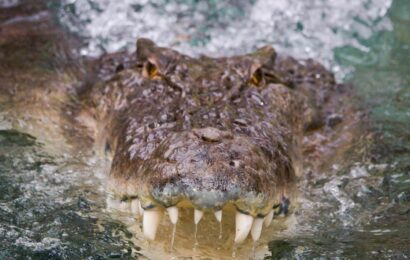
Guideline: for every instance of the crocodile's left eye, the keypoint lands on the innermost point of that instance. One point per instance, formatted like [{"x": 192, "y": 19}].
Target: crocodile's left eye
[
  {"x": 257, "y": 77},
  {"x": 150, "y": 70}
]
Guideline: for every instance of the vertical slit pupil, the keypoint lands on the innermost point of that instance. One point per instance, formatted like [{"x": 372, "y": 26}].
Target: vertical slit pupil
[
  {"x": 257, "y": 77},
  {"x": 151, "y": 69}
]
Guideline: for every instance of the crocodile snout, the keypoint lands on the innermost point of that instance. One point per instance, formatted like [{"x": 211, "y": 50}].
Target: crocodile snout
[{"x": 208, "y": 168}]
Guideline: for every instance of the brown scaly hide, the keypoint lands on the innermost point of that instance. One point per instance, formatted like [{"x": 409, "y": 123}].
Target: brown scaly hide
[{"x": 203, "y": 125}]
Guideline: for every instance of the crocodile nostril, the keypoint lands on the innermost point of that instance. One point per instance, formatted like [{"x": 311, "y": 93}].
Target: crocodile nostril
[{"x": 234, "y": 163}]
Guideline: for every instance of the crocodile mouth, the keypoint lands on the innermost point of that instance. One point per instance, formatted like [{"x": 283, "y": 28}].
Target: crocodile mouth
[
  {"x": 206, "y": 169},
  {"x": 245, "y": 224}
]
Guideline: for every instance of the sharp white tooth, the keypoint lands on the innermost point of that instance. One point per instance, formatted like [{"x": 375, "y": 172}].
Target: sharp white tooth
[
  {"x": 135, "y": 209},
  {"x": 268, "y": 218},
  {"x": 243, "y": 224},
  {"x": 198, "y": 215},
  {"x": 218, "y": 215},
  {"x": 141, "y": 210},
  {"x": 173, "y": 214},
  {"x": 257, "y": 228},
  {"x": 150, "y": 222}
]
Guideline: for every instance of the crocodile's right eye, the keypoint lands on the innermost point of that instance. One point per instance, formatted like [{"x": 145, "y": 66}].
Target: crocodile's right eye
[{"x": 256, "y": 77}]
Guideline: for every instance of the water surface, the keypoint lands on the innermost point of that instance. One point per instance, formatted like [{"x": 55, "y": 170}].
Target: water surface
[{"x": 52, "y": 202}]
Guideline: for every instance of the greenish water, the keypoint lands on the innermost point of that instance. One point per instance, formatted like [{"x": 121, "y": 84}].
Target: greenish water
[
  {"x": 381, "y": 75},
  {"x": 51, "y": 207}
]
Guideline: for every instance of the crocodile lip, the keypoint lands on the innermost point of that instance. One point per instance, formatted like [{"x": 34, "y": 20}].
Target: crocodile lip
[{"x": 208, "y": 168}]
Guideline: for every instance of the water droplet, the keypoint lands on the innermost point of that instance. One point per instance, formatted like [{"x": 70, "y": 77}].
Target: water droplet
[
  {"x": 234, "y": 249},
  {"x": 220, "y": 230},
  {"x": 174, "y": 230},
  {"x": 195, "y": 237}
]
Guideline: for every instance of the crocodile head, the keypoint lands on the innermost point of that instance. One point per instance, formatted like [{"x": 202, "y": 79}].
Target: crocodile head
[{"x": 207, "y": 131}]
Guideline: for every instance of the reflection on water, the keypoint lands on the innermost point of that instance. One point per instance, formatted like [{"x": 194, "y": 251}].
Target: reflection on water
[{"x": 52, "y": 204}]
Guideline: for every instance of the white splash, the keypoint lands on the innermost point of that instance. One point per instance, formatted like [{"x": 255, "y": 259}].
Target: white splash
[{"x": 306, "y": 29}]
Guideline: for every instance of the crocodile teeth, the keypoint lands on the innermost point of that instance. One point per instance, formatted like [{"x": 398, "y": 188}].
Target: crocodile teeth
[
  {"x": 243, "y": 224},
  {"x": 257, "y": 228},
  {"x": 173, "y": 214},
  {"x": 218, "y": 215},
  {"x": 141, "y": 210},
  {"x": 268, "y": 219},
  {"x": 198, "y": 216},
  {"x": 150, "y": 222},
  {"x": 135, "y": 208}
]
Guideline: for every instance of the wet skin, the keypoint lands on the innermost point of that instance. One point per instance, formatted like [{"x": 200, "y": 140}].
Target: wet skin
[
  {"x": 202, "y": 131},
  {"x": 212, "y": 131}
]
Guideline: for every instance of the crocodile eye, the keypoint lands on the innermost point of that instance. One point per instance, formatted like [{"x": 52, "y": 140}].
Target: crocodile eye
[
  {"x": 150, "y": 70},
  {"x": 257, "y": 77}
]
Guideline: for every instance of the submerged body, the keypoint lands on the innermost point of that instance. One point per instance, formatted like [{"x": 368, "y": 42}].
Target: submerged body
[{"x": 212, "y": 131}]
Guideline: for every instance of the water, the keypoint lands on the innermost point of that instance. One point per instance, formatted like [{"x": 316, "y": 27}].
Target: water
[
  {"x": 299, "y": 28},
  {"x": 52, "y": 202}
]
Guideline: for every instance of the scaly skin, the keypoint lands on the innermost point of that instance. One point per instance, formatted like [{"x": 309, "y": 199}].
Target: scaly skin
[
  {"x": 208, "y": 130},
  {"x": 199, "y": 130}
]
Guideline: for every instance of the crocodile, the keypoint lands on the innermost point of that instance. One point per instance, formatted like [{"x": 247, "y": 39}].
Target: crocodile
[{"x": 209, "y": 132}]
